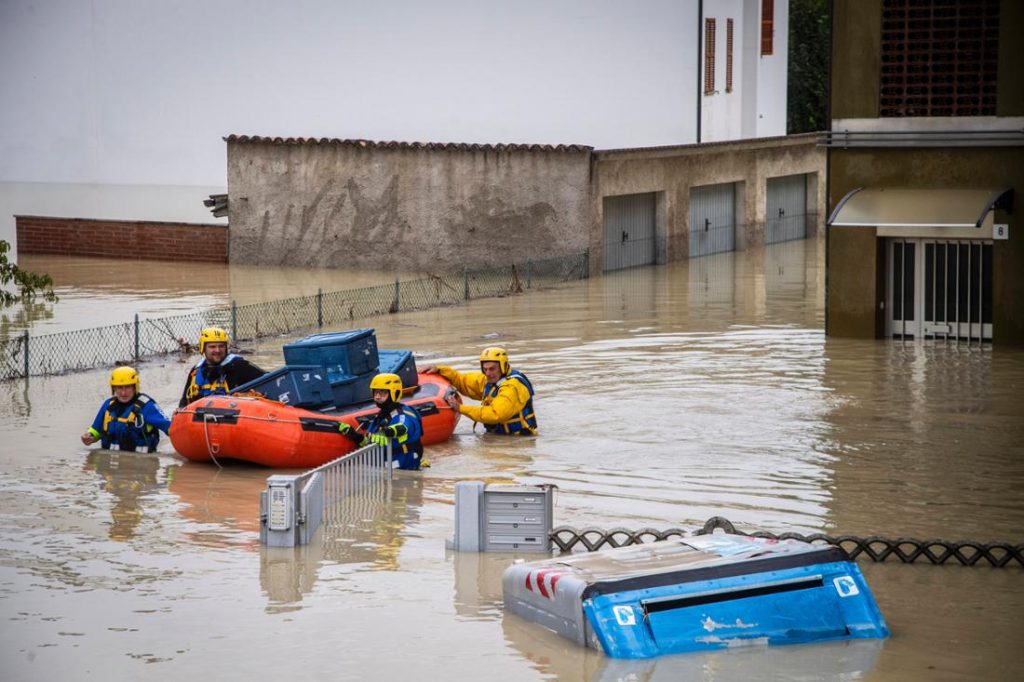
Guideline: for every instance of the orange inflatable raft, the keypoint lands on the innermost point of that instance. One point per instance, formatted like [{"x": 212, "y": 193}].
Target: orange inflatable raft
[{"x": 254, "y": 429}]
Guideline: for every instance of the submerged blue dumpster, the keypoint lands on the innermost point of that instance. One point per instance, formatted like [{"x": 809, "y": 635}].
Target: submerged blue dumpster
[{"x": 696, "y": 594}]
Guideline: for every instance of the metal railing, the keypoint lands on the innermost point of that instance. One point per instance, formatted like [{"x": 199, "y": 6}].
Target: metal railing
[
  {"x": 294, "y": 506},
  {"x": 24, "y": 355}
]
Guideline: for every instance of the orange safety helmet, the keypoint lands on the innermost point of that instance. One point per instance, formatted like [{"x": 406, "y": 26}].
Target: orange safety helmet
[{"x": 498, "y": 355}]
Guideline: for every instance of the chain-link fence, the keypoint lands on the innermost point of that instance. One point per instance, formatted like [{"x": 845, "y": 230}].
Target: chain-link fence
[{"x": 26, "y": 355}]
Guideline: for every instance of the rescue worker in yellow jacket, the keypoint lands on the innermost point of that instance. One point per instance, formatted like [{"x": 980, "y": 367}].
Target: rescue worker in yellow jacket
[{"x": 505, "y": 394}]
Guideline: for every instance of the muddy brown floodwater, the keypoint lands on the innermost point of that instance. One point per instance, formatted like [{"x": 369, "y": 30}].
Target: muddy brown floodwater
[{"x": 666, "y": 395}]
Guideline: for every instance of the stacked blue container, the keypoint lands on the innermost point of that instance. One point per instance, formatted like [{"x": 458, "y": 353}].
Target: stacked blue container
[
  {"x": 349, "y": 358},
  {"x": 332, "y": 369}
]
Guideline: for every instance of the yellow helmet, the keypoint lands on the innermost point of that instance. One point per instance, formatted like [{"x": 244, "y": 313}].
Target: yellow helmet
[
  {"x": 211, "y": 335},
  {"x": 124, "y": 376},
  {"x": 392, "y": 383},
  {"x": 498, "y": 355}
]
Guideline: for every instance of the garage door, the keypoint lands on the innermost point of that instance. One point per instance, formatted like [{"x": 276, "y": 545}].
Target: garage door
[
  {"x": 712, "y": 219},
  {"x": 786, "y": 215},
  {"x": 629, "y": 231}
]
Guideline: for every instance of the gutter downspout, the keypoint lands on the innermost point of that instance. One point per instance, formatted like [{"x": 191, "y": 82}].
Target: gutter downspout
[{"x": 700, "y": 70}]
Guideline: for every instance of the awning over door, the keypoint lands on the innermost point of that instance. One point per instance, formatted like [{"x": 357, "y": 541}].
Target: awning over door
[{"x": 885, "y": 207}]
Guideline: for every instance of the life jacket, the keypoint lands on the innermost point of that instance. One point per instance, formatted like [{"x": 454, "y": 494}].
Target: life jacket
[
  {"x": 526, "y": 420},
  {"x": 403, "y": 444},
  {"x": 125, "y": 426},
  {"x": 200, "y": 385}
]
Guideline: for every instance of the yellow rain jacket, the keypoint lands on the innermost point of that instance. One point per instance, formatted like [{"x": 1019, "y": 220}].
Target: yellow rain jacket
[{"x": 505, "y": 407}]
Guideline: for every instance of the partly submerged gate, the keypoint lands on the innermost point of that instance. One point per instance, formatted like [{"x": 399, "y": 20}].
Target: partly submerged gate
[
  {"x": 939, "y": 289},
  {"x": 629, "y": 230},
  {"x": 786, "y": 212},
  {"x": 712, "y": 219},
  {"x": 294, "y": 506}
]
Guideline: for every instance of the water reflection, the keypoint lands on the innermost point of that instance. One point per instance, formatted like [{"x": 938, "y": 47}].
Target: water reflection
[
  {"x": 665, "y": 396},
  {"x": 97, "y": 291},
  {"x": 222, "y": 503},
  {"x": 364, "y": 532},
  {"x": 131, "y": 478}
]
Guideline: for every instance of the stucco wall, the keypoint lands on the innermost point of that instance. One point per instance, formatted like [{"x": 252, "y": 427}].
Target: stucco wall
[
  {"x": 334, "y": 203},
  {"x": 675, "y": 170},
  {"x": 856, "y": 58}
]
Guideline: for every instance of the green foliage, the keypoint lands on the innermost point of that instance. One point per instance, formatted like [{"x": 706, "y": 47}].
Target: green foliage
[
  {"x": 28, "y": 284},
  {"x": 809, "y": 45}
]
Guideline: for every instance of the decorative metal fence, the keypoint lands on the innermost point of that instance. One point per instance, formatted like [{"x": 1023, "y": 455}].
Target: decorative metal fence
[
  {"x": 873, "y": 547},
  {"x": 26, "y": 355}
]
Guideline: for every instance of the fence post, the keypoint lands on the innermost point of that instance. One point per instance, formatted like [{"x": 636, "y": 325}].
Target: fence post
[
  {"x": 465, "y": 283},
  {"x": 136, "y": 338},
  {"x": 396, "y": 308},
  {"x": 234, "y": 323},
  {"x": 26, "y": 355},
  {"x": 529, "y": 273},
  {"x": 319, "y": 307}
]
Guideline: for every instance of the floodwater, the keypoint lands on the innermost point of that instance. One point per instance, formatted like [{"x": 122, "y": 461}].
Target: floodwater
[
  {"x": 100, "y": 291},
  {"x": 666, "y": 395}
]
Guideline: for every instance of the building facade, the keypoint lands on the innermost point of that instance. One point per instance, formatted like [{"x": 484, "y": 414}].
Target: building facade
[
  {"x": 925, "y": 156},
  {"x": 438, "y": 207}
]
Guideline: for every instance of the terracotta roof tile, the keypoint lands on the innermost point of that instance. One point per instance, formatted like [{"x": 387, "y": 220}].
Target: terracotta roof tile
[{"x": 394, "y": 144}]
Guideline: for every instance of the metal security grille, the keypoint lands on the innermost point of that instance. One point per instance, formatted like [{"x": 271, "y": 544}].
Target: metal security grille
[
  {"x": 712, "y": 219},
  {"x": 786, "y": 213},
  {"x": 939, "y": 57},
  {"x": 940, "y": 289},
  {"x": 629, "y": 231}
]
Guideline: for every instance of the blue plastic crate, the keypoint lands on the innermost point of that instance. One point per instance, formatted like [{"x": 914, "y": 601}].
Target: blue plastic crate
[
  {"x": 297, "y": 385},
  {"x": 402, "y": 363},
  {"x": 339, "y": 353},
  {"x": 349, "y": 389}
]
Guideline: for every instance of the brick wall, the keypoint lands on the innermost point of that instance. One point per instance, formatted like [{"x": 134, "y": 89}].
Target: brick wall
[{"x": 135, "y": 239}]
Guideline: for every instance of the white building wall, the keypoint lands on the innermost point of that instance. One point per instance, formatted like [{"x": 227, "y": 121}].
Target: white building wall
[
  {"x": 751, "y": 60},
  {"x": 756, "y": 107},
  {"x": 772, "y": 78},
  {"x": 722, "y": 112}
]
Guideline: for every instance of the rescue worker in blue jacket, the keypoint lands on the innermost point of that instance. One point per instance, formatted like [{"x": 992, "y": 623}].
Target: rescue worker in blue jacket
[
  {"x": 394, "y": 423},
  {"x": 219, "y": 371},
  {"x": 129, "y": 420},
  {"x": 505, "y": 394}
]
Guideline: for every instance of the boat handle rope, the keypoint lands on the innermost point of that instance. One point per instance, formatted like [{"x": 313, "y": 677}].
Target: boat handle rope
[{"x": 207, "y": 418}]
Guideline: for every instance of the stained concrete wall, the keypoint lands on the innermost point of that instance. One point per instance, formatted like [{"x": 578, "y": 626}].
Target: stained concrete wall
[
  {"x": 675, "y": 170},
  {"x": 335, "y": 203}
]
